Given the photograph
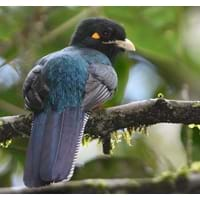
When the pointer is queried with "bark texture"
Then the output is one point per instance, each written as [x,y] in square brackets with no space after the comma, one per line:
[103,122]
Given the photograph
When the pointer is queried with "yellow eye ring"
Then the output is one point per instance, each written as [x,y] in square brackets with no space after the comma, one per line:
[96,36]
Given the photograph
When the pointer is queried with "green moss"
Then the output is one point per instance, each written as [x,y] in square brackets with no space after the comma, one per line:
[194,125]
[165,176]
[101,184]
[6,144]
[196,104]
[128,137]
[195,167]
[169,176]
[86,139]
[183,171]
[160,95]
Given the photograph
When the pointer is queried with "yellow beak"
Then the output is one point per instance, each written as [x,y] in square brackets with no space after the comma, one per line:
[124,44]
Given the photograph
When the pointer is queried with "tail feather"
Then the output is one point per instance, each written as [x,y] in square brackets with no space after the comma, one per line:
[82,127]
[60,135]
[60,145]
[32,165]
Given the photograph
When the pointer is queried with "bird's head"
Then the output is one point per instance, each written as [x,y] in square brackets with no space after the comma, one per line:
[103,35]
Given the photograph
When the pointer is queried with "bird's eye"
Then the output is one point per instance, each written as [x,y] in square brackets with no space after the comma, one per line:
[95,36]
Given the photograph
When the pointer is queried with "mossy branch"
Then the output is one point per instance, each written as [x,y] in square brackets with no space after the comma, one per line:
[103,122]
[166,184]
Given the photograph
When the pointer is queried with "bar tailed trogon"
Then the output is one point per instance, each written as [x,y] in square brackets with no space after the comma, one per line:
[60,89]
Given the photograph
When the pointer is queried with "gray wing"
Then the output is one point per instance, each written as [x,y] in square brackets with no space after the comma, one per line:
[35,89]
[100,86]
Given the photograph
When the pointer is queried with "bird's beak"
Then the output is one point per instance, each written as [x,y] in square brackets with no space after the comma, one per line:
[124,44]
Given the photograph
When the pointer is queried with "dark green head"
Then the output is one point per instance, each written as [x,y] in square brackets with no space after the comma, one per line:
[103,35]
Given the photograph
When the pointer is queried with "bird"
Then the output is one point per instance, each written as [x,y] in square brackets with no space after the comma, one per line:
[61,89]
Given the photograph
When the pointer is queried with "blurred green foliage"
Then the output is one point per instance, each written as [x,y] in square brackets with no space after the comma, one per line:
[28,33]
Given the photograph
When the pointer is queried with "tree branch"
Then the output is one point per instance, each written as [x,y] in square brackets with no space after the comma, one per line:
[103,122]
[169,184]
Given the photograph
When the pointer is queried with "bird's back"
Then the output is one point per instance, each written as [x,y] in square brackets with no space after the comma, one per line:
[66,72]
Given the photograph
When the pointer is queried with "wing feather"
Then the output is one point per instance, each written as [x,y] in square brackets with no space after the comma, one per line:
[100,86]
[35,89]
